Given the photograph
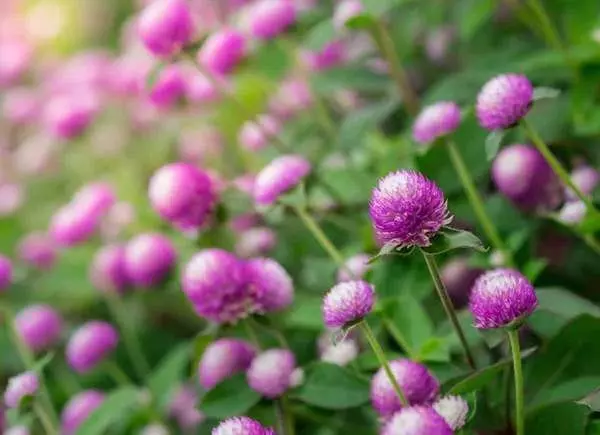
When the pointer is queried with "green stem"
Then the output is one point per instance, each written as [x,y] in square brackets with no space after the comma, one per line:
[591,241]
[116,373]
[513,337]
[45,419]
[477,203]
[399,337]
[284,416]
[448,307]
[252,335]
[383,361]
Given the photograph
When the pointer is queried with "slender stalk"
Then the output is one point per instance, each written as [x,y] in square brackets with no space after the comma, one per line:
[284,416]
[116,373]
[45,419]
[383,361]
[513,337]
[448,307]
[477,202]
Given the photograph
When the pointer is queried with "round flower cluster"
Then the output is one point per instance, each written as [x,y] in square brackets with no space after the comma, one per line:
[347,302]
[241,426]
[222,359]
[91,344]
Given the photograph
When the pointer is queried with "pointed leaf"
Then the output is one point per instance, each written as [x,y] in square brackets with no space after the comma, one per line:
[449,239]
[492,143]
[167,375]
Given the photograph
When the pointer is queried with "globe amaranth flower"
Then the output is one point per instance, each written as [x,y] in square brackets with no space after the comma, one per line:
[68,115]
[19,387]
[585,178]
[6,273]
[72,225]
[255,241]
[342,353]
[332,54]
[458,278]
[270,372]
[572,213]
[78,409]
[107,271]
[241,426]
[16,55]
[12,196]
[347,302]
[183,194]
[355,267]
[39,327]
[344,11]
[169,88]
[183,409]
[416,381]
[435,121]
[293,96]
[20,106]
[97,198]
[501,298]
[223,359]
[91,344]
[407,209]
[37,250]
[166,26]
[16,430]
[279,176]
[503,101]
[417,420]
[522,174]
[255,135]
[270,283]
[149,258]
[453,409]
[222,51]
[269,18]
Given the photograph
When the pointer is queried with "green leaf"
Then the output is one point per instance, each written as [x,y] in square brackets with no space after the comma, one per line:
[449,239]
[561,419]
[168,374]
[231,397]
[116,408]
[364,21]
[569,391]
[359,122]
[41,363]
[493,141]
[319,35]
[543,93]
[333,387]
[590,223]
[349,77]
[306,313]
[534,267]
[473,15]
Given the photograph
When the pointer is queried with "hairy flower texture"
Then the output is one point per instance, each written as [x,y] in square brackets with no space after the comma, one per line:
[78,409]
[355,267]
[271,284]
[19,387]
[241,426]
[6,273]
[407,209]
[222,359]
[183,194]
[522,174]
[417,420]
[342,353]
[344,11]
[214,282]
[107,271]
[255,241]
[90,345]
[37,250]
[270,372]
[347,302]
[169,88]
[269,18]
[166,26]
[453,409]
[419,386]
[586,179]
[458,278]
[435,121]
[222,51]
[279,176]
[39,327]
[501,298]
[503,101]
[255,135]
[149,258]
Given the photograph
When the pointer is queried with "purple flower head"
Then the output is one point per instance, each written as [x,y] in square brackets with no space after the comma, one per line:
[342,353]
[19,387]
[408,209]
[270,372]
[355,267]
[20,106]
[458,278]
[107,272]
[244,222]
[72,225]
[453,409]
[241,426]
[269,18]
[255,241]
[169,88]
[166,26]
[97,198]
[332,54]
[16,57]
[522,174]
[77,410]
[344,11]
[416,381]
[201,89]
[37,250]
[89,345]
[68,115]
[417,420]
[572,213]
[39,327]
[222,51]
[293,96]
[347,302]
[183,409]
[6,273]
[279,176]
[271,284]
[503,101]
[585,178]
[435,121]
[149,258]
[255,135]
[501,298]
[183,195]
[223,359]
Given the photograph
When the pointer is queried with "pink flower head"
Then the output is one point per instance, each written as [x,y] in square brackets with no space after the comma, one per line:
[270,371]
[503,101]
[269,18]
[16,56]
[332,54]
[222,51]
[97,198]
[91,344]
[344,11]
[39,327]
[149,258]
[586,178]
[72,225]
[279,176]
[255,242]
[435,121]
[241,426]
[107,271]
[293,96]
[200,145]
[255,135]
[78,409]
[347,302]
[355,267]
[417,420]
[201,89]
[183,408]
[20,106]
[572,212]
[166,26]
[37,250]
[271,284]
[223,359]
[169,88]
[12,196]
[19,387]
[6,273]
[245,184]
[68,115]
[453,409]
[128,75]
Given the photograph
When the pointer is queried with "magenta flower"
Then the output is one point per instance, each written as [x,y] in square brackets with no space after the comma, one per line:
[19,387]
[16,57]
[166,26]
[269,18]
[501,298]
[435,121]
[97,198]
[183,194]
[241,426]
[355,267]
[149,258]
[169,88]
[6,273]
[255,135]
[279,176]
[20,106]
[91,344]
[72,225]
[407,209]
[183,408]
[585,178]
[347,302]
[458,278]
[37,250]
[68,115]
[416,381]
[270,283]
[201,89]
[39,327]
[293,96]
[255,242]
[222,51]
[222,359]
[107,271]
[270,372]
[453,409]
[244,222]
[503,101]
[344,11]
[417,420]
[572,212]
[332,54]
[78,409]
